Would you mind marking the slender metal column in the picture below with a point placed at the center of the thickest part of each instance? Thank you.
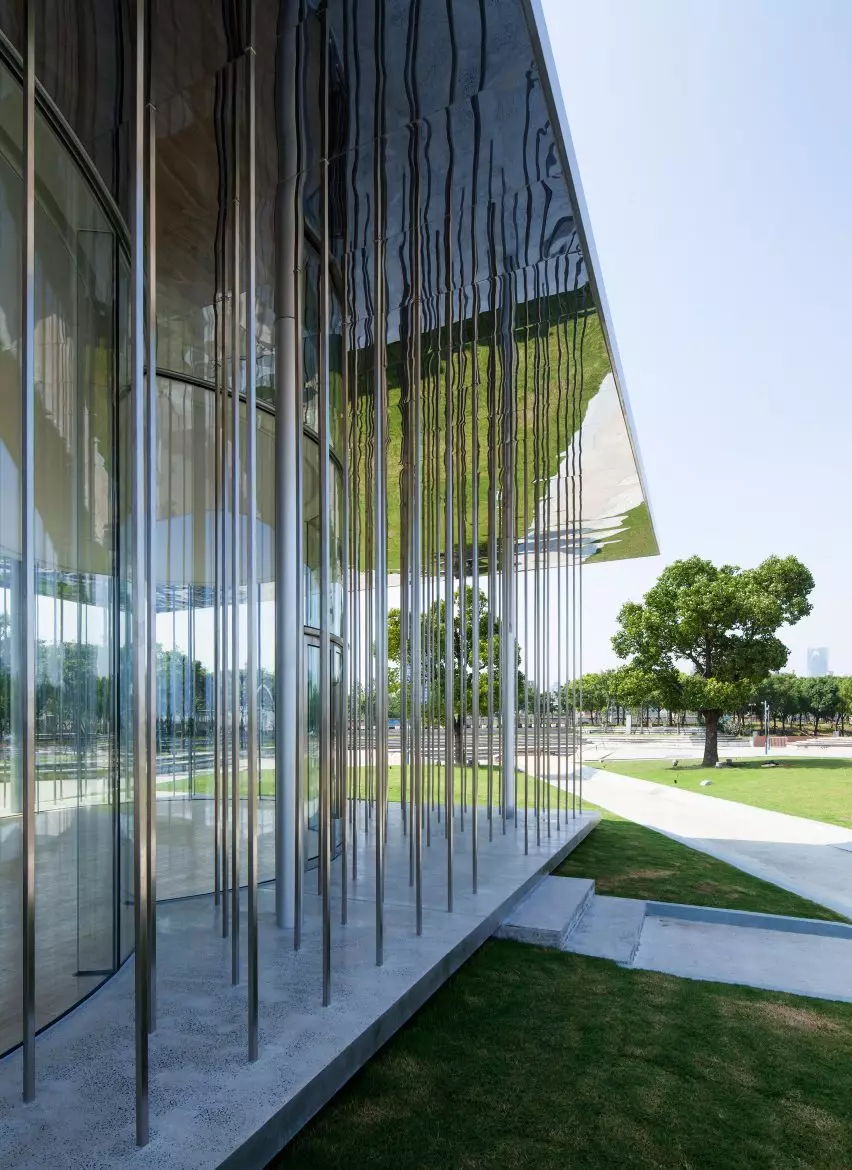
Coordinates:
(251, 541)
(474, 621)
(494, 453)
(299, 805)
(151, 546)
(380, 411)
(28, 593)
(344, 665)
(223, 91)
(289, 609)
(236, 347)
(508, 628)
(526, 523)
(416, 618)
(579, 634)
(217, 521)
(138, 512)
(449, 622)
(416, 506)
(325, 531)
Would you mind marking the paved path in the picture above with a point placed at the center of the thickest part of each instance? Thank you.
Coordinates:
(809, 858)
(802, 956)
(804, 964)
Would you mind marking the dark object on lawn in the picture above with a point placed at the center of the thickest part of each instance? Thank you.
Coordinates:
(770, 764)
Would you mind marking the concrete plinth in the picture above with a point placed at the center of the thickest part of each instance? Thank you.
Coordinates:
(209, 1106)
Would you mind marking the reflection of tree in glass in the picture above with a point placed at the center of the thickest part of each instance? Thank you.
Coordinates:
(433, 626)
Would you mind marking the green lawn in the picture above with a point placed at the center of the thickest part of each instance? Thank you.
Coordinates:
(203, 785)
(534, 1058)
(630, 861)
(819, 789)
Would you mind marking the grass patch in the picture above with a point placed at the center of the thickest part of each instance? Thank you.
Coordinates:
(818, 789)
(534, 1058)
(202, 785)
(629, 861)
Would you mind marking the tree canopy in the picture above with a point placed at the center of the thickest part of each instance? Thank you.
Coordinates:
(722, 623)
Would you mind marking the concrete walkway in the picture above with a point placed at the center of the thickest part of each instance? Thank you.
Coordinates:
(809, 858)
(801, 956)
(803, 964)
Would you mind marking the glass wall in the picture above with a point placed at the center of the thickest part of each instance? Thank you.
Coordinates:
(78, 605)
(186, 423)
(84, 532)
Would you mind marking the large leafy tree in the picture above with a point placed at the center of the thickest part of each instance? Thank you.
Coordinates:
(722, 622)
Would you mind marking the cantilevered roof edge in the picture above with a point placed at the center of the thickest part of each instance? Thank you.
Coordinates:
(540, 41)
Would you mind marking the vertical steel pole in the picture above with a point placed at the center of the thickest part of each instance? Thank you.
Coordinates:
(28, 597)
(449, 621)
(380, 409)
(325, 530)
(289, 602)
(344, 665)
(416, 505)
(217, 522)
(508, 627)
(474, 622)
(138, 512)
(236, 354)
(151, 543)
(251, 542)
(224, 378)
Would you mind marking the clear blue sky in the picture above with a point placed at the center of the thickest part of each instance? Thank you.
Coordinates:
(714, 139)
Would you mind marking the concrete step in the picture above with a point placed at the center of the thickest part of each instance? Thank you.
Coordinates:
(550, 912)
(610, 928)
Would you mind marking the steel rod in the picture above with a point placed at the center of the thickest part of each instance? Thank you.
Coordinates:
(151, 546)
(236, 356)
(325, 528)
(250, 97)
(28, 582)
(139, 653)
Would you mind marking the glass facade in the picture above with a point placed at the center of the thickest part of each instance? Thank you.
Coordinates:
(315, 341)
(84, 761)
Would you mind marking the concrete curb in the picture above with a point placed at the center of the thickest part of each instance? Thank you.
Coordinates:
(749, 918)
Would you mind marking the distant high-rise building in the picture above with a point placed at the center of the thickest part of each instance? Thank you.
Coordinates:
(817, 662)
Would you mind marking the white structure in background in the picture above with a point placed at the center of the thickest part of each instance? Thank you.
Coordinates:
(817, 662)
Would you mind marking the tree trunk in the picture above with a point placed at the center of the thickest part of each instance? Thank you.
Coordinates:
(711, 740)
(457, 741)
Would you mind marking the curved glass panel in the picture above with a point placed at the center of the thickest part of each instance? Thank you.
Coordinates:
(185, 638)
(79, 827)
(84, 528)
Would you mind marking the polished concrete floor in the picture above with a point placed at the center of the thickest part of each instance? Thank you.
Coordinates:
(209, 1106)
(80, 931)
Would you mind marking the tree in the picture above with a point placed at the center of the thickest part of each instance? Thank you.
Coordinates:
(822, 698)
(844, 705)
(433, 624)
(595, 694)
(783, 693)
(722, 622)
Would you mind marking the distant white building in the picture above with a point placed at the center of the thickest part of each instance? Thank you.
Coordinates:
(817, 662)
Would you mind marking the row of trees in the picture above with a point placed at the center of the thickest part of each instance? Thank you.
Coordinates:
(800, 703)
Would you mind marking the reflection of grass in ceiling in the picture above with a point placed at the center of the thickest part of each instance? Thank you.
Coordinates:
(637, 539)
(555, 347)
